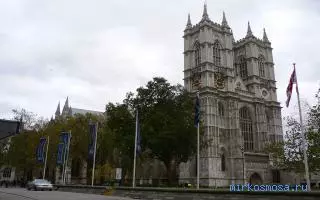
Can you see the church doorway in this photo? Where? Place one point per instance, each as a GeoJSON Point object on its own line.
{"type": "Point", "coordinates": [255, 179]}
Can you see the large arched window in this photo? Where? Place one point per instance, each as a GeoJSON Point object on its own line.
{"type": "Point", "coordinates": [261, 66]}
{"type": "Point", "coordinates": [197, 55]}
{"type": "Point", "coordinates": [243, 68]}
{"type": "Point", "coordinates": [246, 128]}
{"type": "Point", "coordinates": [217, 54]}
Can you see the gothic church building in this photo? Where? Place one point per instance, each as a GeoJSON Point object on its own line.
{"type": "Point", "coordinates": [240, 112]}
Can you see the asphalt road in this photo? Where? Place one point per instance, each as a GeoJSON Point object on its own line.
{"type": "Point", "coordinates": [23, 194]}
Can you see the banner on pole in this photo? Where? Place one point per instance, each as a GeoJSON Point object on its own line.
{"type": "Point", "coordinates": [138, 135]}
{"type": "Point", "coordinates": [197, 111]}
{"type": "Point", "coordinates": [92, 139]}
{"type": "Point", "coordinates": [40, 150]}
{"type": "Point", "coordinates": [64, 137]}
{"type": "Point", "coordinates": [60, 154]}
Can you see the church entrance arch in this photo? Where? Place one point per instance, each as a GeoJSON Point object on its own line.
{"type": "Point", "coordinates": [255, 179]}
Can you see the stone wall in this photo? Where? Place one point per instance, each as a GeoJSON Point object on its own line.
{"type": "Point", "coordinates": [188, 194]}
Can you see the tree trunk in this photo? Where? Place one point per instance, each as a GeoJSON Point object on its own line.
{"type": "Point", "coordinates": [171, 172]}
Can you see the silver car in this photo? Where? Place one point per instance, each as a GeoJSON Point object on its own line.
{"type": "Point", "coordinates": [39, 184]}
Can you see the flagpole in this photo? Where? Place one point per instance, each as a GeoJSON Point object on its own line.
{"type": "Point", "coordinates": [135, 153]}
{"type": "Point", "coordinates": [304, 143]}
{"type": "Point", "coordinates": [198, 155]}
{"type": "Point", "coordinates": [45, 161]}
{"type": "Point", "coordinates": [94, 154]}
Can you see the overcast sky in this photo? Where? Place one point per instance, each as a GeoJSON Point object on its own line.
{"type": "Point", "coordinates": [96, 51]}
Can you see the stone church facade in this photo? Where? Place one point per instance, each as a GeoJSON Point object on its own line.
{"type": "Point", "coordinates": [240, 112]}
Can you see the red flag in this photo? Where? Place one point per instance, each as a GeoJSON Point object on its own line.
{"type": "Point", "coordinates": [293, 80]}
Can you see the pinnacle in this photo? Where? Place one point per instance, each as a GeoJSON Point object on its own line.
{"type": "Point", "coordinates": [265, 37]}
{"type": "Point", "coordinates": [224, 20]}
{"type": "Point", "coordinates": [249, 32]}
{"type": "Point", "coordinates": [205, 15]}
{"type": "Point", "coordinates": [189, 24]}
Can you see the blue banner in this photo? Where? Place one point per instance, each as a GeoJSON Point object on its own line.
{"type": "Point", "coordinates": [197, 111]}
{"type": "Point", "coordinates": [92, 140]}
{"type": "Point", "coordinates": [65, 137]}
{"type": "Point", "coordinates": [40, 150]}
{"type": "Point", "coordinates": [63, 147]}
{"type": "Point", "coordinates": [138, 135]}
{"type": "Point", "coordinates": [60, 153]}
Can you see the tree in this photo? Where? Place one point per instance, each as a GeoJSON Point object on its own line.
{"type": "Point", "coordinates": [289, 153]}
{"type": "Point", "coordinates": [29, 119]}
{"type": "Point", "coordinates": [22, 148]}
{"type": "Point", "coordinates": [167, 123]}
{"type": "Point", "coordinates": [121, 131]}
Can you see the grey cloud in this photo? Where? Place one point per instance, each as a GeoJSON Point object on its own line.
{"type": "Point", "coordinates": [96, 51]}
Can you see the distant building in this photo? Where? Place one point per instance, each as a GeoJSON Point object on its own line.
{"type": "Point", "coordinates": [68, 111]}
{"type": "Point", "coordinates": [76, 172]}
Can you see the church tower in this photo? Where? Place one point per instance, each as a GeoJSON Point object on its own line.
{"type": "Point", "coordinates": [240, 112]}
{"type": "Point", "coordinates": [57, 113]}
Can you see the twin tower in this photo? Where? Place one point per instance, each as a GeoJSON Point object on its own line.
{"type": "Point", "coordinates": [238, 96]}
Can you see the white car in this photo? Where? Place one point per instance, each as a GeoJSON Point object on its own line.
{"type": "Point", "coordinates": [40, 184]}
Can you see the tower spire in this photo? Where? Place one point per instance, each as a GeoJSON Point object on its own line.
{"type": "Point", "coordinates": [205, 15]}
{"type": "Point", "coordinates": [224, 20]}
{"type": "Point", "coordinates": [57, 113]}
{"type": "Point", "coordinates": [189, 25]}
{"type": "Point", "coordinates": [65, 109]}
{"type": "Point", "coordinates": [249, 32]}
{"type": "Point", "coordinates": [265, 37]}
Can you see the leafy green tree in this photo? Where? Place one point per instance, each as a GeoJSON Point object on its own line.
{"type": "Point", "coordinates": [21, 149]}
{"type": "Point", "coordinates": [289, 153]}
{"type": "Point", "coordinates": [121, 132]}
{"type": "Point", "coordinates": [167, 122]}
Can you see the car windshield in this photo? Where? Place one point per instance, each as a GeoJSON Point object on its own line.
{"type": "Point", "coordinates": [40, 181]}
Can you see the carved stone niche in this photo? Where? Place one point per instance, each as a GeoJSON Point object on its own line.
{"type": "Point", "coordinates": [196, 78]}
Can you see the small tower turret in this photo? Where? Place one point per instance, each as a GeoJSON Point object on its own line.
{"type": "Point", "coordinates": [249, 32]}
{"type": "Point", "coordinates": [189, 24]}
{"type": "Point", "coordinates": [224, 20]}
{"type": "Point", "coordinates": [265, 37]}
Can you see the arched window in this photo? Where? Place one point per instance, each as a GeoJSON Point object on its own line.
{"type": "Point", "coordinates": [220, 109]}
{"type": "Point", "coordinates": [243, 68]}
{"type": "Point", "coordinates": [197, 54]}
{"type": "Point", "coordinates": [223, 162]}
{"type": "Point", "coordinates": [268, 119]}
{"type": "Point", "coordinates": [246, 128]}
{"type": "Point", "coordinates": [261, 66]}
{"type": "Point", "coordinates": [7, 172]}
{"type": "Point", "coordinates": [217, 54]}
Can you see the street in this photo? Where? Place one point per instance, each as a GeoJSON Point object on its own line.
{"type": "Point", "coordinates": [23, 194]}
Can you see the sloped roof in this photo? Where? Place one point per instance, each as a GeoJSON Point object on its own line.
{"type": "Point", "coordinates": [83, 111]}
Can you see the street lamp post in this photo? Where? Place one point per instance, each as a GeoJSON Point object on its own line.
{"type": "Point", "coordinates": [243, 174]}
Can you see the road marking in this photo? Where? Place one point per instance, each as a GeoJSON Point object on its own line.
{"type": "Point", "coordinates": [26, 197]}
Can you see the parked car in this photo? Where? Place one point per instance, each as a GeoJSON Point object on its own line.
{"type": "Point", "coordinates": [39, 184]}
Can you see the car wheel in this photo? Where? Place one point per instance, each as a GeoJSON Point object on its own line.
{"type": "Point", "coordinates": [35, 188]}
{"type": "Point", "coordinates": [28, 188]}
{"type": "Point", "coordinates": [50, 189]}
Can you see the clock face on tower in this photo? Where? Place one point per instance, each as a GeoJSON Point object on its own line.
{"type": "Point", "coordinates": [219, 80]}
